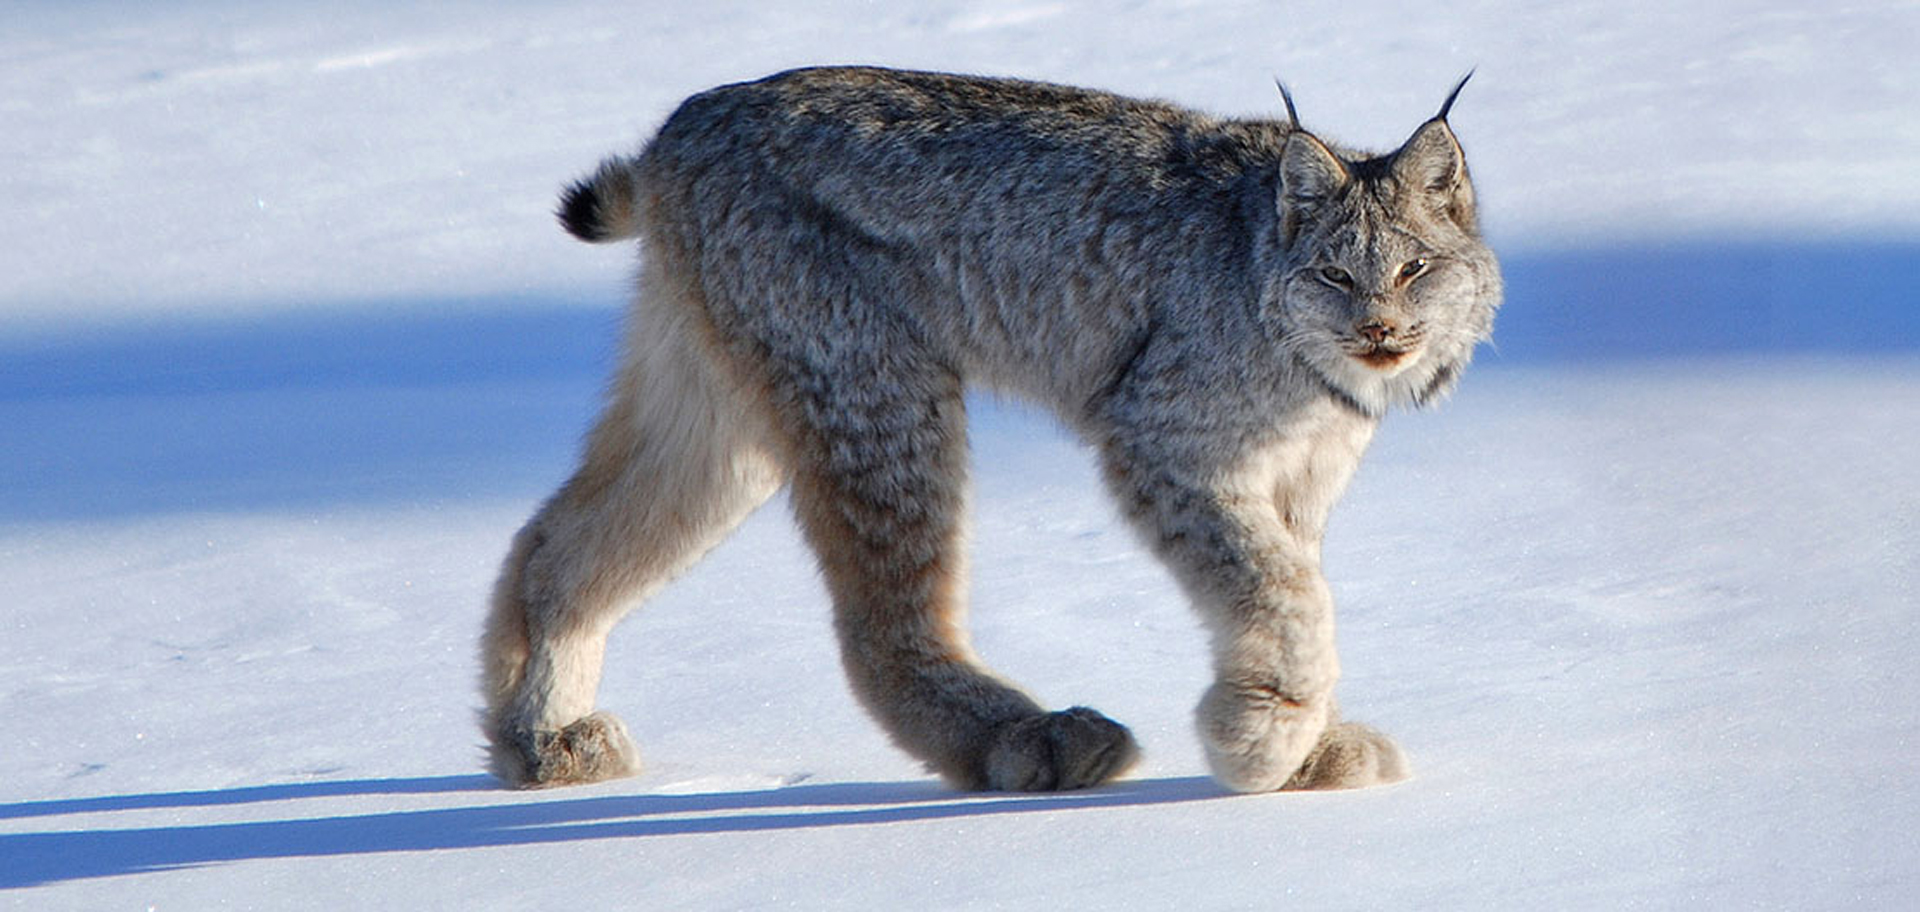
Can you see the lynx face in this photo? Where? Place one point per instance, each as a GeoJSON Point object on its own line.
{"type": "Point", "coordinates": [1387, 286]}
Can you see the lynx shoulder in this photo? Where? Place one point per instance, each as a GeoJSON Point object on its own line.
{"type": "Point", "coordinates": [1222, 308]}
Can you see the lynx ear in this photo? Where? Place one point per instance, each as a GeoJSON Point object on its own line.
{"type": "Point", "coordinates": [1430, 159]}
{"type": "Point", "coordinates": [1310, 176]}
{"type": "Point", "coordinates": [1431, 163]}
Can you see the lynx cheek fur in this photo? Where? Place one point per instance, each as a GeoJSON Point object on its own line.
{"type": "Point", "coordinates": [1223, 308]}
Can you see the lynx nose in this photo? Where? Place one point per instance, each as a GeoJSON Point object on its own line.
{"type": "Point", "coordinates": [1375, 330]}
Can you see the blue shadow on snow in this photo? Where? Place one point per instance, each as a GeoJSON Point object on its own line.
{"type": "Point", "coordinates": [40, 858]}
{"type": "Point", "coordinates": [453, 400]}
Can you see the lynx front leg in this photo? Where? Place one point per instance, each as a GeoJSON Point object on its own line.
{"type": "Point", "coordinates": [879, 486]}
{"type": "Point", "coordinates": [1274, 660]}
{"type": "Point", "coordinates": [1249, 558]}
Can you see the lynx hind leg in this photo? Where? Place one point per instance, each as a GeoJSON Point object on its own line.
{"type": "Point", "coordinates": [880, 487]}
{"type": "Point", "coordinates": [674, 463]}
{"type": "Point", "coordinates": [541, 656]}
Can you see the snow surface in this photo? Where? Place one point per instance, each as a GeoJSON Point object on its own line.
{"type": "Point", "coordinates": [289, 346]}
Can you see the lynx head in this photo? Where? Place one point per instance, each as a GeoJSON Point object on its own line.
{"type": "Point", "coordinates": [1384, 285]}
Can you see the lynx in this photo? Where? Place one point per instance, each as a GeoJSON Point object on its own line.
{"type": "Point", "coordinates": [1222, 309]}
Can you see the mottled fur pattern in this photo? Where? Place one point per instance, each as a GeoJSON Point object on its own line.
{"type": "Point", "coordinates": [1222, 308]}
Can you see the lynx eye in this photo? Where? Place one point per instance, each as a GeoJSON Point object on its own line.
{"type": "Point", "coordinates": [1336, 276]}
{"type": "Point", "coordinates": [1413, 268]}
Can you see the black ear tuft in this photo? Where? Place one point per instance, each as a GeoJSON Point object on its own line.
{"type": "Point", "coordinates": [1448, 104]}
{"type": "Point", "coordinates": [1293, 116]}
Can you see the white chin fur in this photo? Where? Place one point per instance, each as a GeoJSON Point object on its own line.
{"type": "Point", "coordinates": [1389, 371]}
{"type": "Point", "coordinates": [1375, 389]}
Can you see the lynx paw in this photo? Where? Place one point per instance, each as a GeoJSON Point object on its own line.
{"type": "Point", "coordinates": [592, 749]}
{"type": "Point", "coordinates": [1255, 737]}
{"type": "Point", "coordinates": [1070, 749]}
{"type": "Point", "coordinates": [1351, 755]}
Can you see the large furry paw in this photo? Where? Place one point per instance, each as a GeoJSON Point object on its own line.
{"type": "Point", "coordinates": [1070, 749]}
{"type": "Point", "coordinates": [1255, 738]}
{"type": "Point", "coordinates": [1351, 755]}
{"type": "Point", "coordinates": [592, 749]}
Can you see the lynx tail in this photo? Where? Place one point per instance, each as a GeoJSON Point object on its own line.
{"type": "Point", "coordinates": [601, 208]}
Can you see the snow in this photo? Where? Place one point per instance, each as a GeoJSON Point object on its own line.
{"type": "Point", "coordinates": [289, 346]}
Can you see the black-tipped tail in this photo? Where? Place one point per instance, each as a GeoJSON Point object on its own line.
{"type": "Point", "coordinates": [600, 208]}
{"type": "Point", "coordinates": [576, 213]}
